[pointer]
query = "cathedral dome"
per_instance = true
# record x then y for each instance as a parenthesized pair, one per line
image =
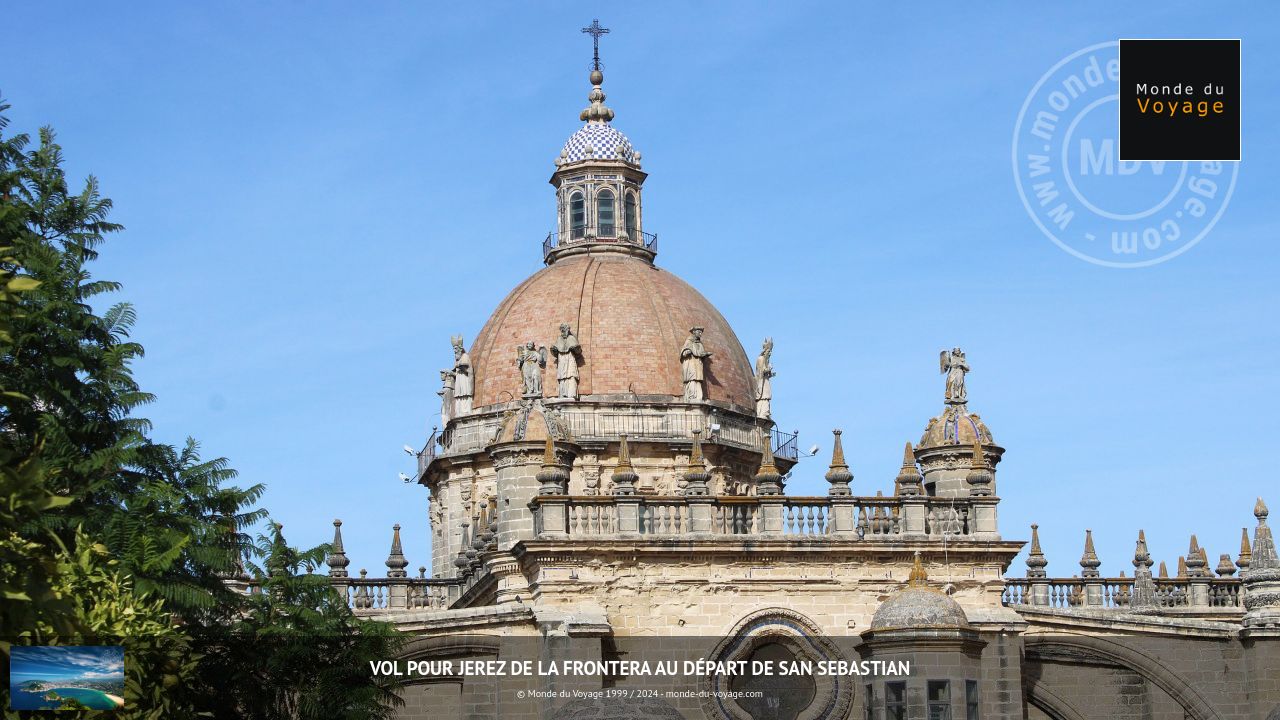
(598, 141)
(955, 426)
(631, 318)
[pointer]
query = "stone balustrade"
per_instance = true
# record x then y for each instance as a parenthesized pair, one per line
(1117, 593)
(862, 518)
(374, 595)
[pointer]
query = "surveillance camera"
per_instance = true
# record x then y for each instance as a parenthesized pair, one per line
(814, 450)
(410, 450)
(405, 478)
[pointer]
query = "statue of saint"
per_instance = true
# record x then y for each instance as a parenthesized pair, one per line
(764, 380)
(531, 361)
(446, 397)
(566, 350)
(693, 359)
(463, 383)
(952, 363)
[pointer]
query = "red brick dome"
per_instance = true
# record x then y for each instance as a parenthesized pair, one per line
(631, 319)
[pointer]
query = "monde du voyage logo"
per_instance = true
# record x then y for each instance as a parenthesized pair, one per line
(1124, 152)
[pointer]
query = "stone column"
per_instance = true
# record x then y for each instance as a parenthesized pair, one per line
(1036, 575)
(769, 487)
(696, 488)
(338, 562)
(518, 465)
(1197, 575)
(551, 506)
(397, 583)
(842, 502)
(1089, 564)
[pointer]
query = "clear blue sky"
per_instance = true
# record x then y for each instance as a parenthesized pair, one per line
(318, 195)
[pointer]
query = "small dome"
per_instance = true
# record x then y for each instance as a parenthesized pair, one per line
(598, 141)
(955, 426)
(919, 607)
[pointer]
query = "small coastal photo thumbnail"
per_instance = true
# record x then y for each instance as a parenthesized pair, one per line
(74, 676)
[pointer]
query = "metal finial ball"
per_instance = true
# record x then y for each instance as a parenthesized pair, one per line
(597, 77)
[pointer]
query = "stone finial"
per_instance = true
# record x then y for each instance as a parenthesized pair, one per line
(1246, 553)
(838, 473)
(1164, 571)
(768, 479)
(337, 560)
(422, 572)
(918, 577)
(1089, 561)
(1196, 564)
(1264, 546)
(552, 479)
(909, 482)
(695, 471)
(624, 476)
(461, 561)
(1036, 561)
(395, 561)
(979, 477)
(1225, 568)
(1143, 596)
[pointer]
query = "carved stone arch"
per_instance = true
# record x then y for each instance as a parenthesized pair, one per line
(1149, 667)
(1049, 703)
(803, 638)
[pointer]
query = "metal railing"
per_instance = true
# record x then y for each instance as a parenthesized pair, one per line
(615, 234)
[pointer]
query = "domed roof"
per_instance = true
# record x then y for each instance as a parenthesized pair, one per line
(955, 426)
(631, 319)
(598, 141)
(919, 606)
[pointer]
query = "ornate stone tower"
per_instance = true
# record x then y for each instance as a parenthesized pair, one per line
(598, 344)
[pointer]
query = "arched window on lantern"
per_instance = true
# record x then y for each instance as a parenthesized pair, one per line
(605, 220)
(577, 216)
(632, 217)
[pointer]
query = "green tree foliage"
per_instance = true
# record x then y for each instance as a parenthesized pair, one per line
(108, 536)
(315, 652)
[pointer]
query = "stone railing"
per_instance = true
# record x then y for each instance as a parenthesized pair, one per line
(373, 595)
(861, 518)
(1116, 593)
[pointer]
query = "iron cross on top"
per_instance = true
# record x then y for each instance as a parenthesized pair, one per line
(595, 31)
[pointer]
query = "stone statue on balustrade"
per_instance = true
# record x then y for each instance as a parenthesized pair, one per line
(764, 380)
(953, 364)
(447, 379)
(566, 350)
(531, 360)
(693, 366)
(463, 382)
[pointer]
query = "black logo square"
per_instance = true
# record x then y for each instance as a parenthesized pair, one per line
(1179, 99)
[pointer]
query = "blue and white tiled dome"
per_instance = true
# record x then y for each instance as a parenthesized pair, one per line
(598, 141)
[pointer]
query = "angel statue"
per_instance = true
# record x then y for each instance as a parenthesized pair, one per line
(566, 350)
(952, 363)
(531, 360)
(764, 380)
(463, 383)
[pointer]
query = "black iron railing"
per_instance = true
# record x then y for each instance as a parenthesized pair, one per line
(616, 234)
